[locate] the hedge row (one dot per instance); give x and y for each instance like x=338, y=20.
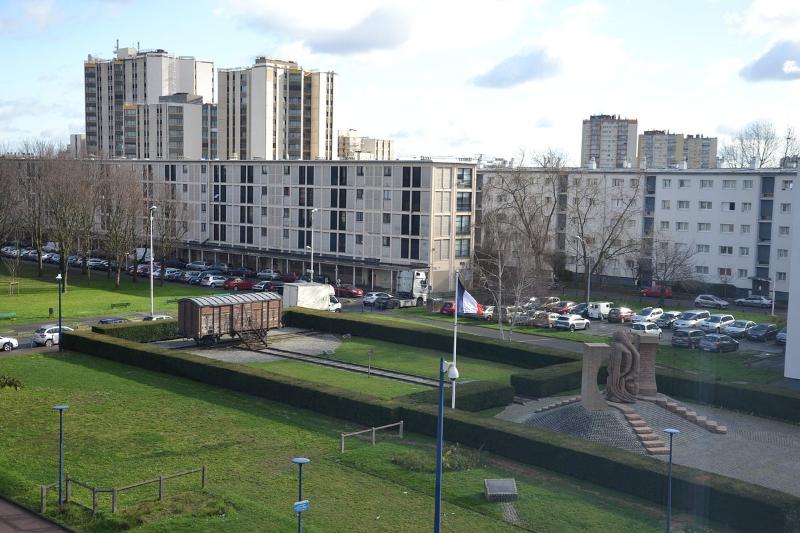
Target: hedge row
x=471, y=396
x=151, y=331
x=729, y=501
x=430, y=337
x=549, y=381
x=321, y=398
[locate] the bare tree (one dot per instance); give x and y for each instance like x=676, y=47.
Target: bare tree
x=757, y=142
x=491, y=261
x=671, y=263
x=32, y=177
x=121, y=208
x=170, y=223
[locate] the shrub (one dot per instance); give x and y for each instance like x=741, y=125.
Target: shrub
x=471, y=396
x=454, y=458
x=156, y=330
x=551, y=380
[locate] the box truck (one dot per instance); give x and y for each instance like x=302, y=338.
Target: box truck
x=413, y=285
x=311, y=296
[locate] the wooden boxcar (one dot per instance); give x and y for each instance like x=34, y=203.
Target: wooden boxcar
x=208, y=318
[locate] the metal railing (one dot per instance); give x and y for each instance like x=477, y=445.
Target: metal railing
x=372, y=431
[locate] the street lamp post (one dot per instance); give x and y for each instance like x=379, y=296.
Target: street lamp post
x=59, y=279
x=152, y=305
x=300, y=461
x=312, y=242
x=670, y=432
x=452, y=374
x=60, y=408
x=588, y=273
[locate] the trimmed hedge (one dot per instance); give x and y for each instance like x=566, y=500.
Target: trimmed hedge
x=320, y=398
x=552, y=380
x=471, y=396
x=742, y=505
x=151, y=331
x=430, y=337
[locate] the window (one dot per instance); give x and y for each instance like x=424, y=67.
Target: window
x=387, y=218
x=703, y=248
x=462, y=224
x=728, y=184
x=744, y=250
x=703, y=226
x=783, y=231
x=729, y=206
x=683, y=204
x=263, y=232
x=359, y=216
x=664, y=204
x=359, y=194
x=203, y=169
x=264, y=169
x=386, y=241
x=785, y=208
x=203, y=227
x=747, y=206
x=185, y=188
x=684, y=184
x=359, y=170
x=360, y=238
x=287, y=191
x=742, y=272
x=786, y=185
x=747, y=184
x=665, y=225
x=285, y=233
x=463, y=177
x=463, y=201
x=287, y=170
x=705, y=205
x=387, y=196
x=701, y=270
x=634, y=182
x=726, y=250
x=617, y=182
x=263, y=211
x=202, y=208
x=783, y=253
x=781, y=276
x=724, y=272
x=706, y=184
x=285, y=212
x=203, y=188
x=462, y=248
x=264, y=190
x=682, y=226
x=387, y=172
x=666, y=183
x=726, y=228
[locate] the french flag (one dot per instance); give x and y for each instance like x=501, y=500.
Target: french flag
x=465, y=303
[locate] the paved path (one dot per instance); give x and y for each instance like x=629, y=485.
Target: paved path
x=14, y=518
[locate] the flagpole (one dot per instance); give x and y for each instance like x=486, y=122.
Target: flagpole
x=455, y=338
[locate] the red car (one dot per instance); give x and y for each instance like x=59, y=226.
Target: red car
x=238, y=284
x=448, y=308
x=655, y=292
x=348, y=291
x=289, y=277
x=562, y=307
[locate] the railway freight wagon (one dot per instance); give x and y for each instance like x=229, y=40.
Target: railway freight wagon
x=206, y=319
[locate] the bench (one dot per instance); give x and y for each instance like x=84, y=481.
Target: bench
x=9, y=315
x=121, y=304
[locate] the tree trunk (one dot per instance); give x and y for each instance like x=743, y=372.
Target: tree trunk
x=116, y=281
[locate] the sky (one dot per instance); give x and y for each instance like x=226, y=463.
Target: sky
x=501, y=78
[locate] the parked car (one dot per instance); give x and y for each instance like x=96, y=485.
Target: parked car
x=715, y=323
x=754, y=301
x=267, y=286
x=269, y=274
x=571, y=322
x=762, y=332
x=212, y=280
x=238, y=284
x=619, y=314
x=370, y=297
x=187, y=274
x=448, y=308
x=689, y=319
x=717, y=342
x=49, y=335
x=544, y=319
x=348, y=291
x=738, y=328
x=709, y=300
x=488, y=312
x=198, y=265
x=384, y=301
x=195, y=278
x=289, y=277
x=780, y=338
x=656, y=292
x=242, y=272
x=116, y=320
x=318, y=278
x=8, y=343
x=599, y=310
x=581, y=309
x=561, y=307
x=173, y=274
x=686, y=338
x=647, y=314
x=667, y=319
x=222, y=267
x=646, y=329
x=150, y=318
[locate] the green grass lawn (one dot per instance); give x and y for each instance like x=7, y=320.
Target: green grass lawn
x=85, y=297
x=125, y=425
x=725, y=367
x=383, y=388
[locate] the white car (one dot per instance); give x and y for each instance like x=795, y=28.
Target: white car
x=715, y=323
x=646, y=329
x=268, y=274
x=754, y=301
x=149, y=318
x=571, y=322
x=738, y=328
x=709, y=300
x=8, y=343
x=49, y=335
x=213, y=281
x=370, y=297
x=688, y=319
x=335, y=306
x=648, y=314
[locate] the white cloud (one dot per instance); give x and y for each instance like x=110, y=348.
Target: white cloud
x=778, y=19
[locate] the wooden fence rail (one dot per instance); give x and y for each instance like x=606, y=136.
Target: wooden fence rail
x=115, y=491
x=373, y=431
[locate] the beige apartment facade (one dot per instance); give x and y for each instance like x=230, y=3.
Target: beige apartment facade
x=352, y=146
x=662, y=149
x=608, y=141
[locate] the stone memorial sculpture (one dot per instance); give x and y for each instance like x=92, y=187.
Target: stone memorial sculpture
x=623, y=370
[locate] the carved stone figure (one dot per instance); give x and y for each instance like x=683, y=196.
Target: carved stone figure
x=623, y=370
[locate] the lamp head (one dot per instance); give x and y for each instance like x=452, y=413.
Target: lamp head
x=61, y=407
x=153, y=208
x=672, y=431
x=58, y=277
x=301, y=460
x=452, y=372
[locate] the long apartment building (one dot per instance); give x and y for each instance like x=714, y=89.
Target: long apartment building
x=135, y=77
x=352, y=146
x=276, y=110
x=662, y=149
x=737, y=221
x=365, y=220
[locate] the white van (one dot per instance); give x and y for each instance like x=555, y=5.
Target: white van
x=599, y=310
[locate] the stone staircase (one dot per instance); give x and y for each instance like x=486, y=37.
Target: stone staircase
x=561, y=403
x=685, y=413
x=649, y=439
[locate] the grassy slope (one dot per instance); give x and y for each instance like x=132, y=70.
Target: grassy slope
x=125, y=425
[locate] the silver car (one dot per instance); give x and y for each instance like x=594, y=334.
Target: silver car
x=49, y=335
x=715, y=323
x=8, y=343
x=738, y=328
x=689, y=319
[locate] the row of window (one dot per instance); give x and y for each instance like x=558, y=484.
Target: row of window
x=705, y=205
x=745, y=229
x=727, y=272
x=783, y=253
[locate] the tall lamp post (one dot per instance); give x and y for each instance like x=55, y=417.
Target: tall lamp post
x=152, y=305
x=59, y=279
x=670, y=432
x=452, y=374
x=588, y=273
x=300, y=461
x=60, y=408
x=312, y=242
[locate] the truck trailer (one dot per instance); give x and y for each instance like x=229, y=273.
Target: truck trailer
x=311, y=296
x=413, y=285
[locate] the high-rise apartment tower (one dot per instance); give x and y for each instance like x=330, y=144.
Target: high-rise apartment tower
x=609, y=140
